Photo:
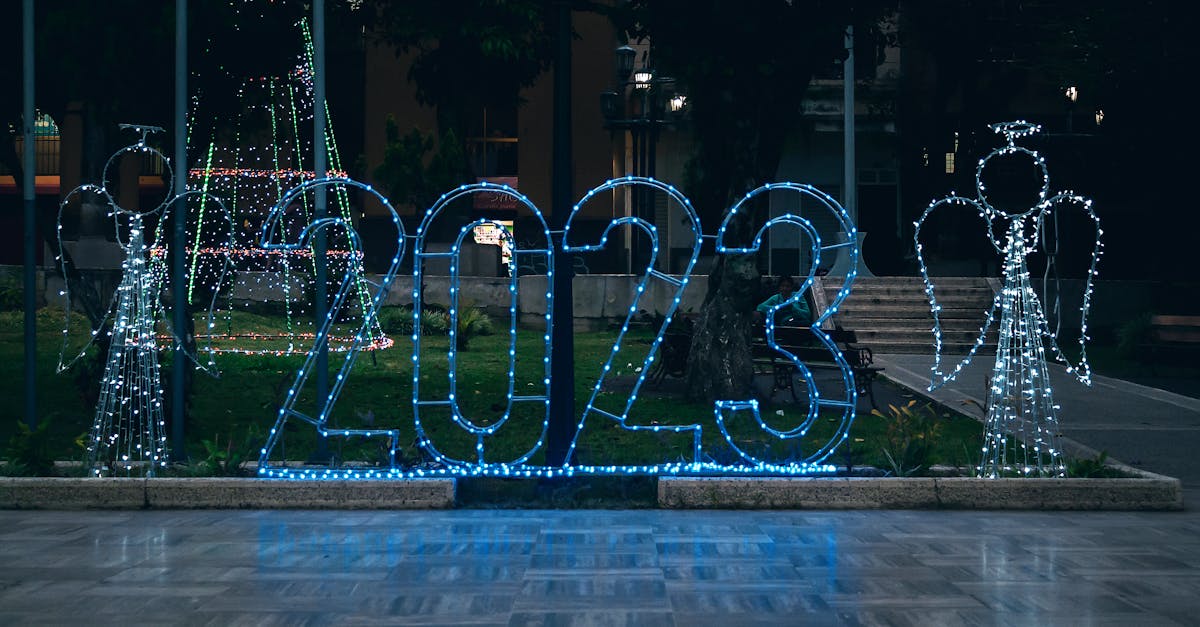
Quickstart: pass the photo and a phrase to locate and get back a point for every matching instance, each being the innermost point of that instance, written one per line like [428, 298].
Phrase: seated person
[793, 315]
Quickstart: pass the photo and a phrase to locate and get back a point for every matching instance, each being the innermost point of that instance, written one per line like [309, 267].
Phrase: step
[924, 348]
[870, 337]
[882, 313]
[894, 328]
[918, 289]
[892, 314]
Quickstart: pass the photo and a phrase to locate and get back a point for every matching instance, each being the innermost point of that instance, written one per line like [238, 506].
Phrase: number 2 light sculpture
[271, 240]
[1022, 431]
[621, 414]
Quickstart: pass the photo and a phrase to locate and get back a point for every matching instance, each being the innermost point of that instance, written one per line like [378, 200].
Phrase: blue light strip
[693, 221]
[844, 406]
[1021, 415]
[512, 401]
[510, 471]
[370, 312]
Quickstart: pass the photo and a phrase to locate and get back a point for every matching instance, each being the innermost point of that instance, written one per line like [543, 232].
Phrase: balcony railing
[46, 151]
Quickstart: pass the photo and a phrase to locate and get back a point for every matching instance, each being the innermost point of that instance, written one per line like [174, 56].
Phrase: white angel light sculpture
[128, 428]
[1021, 436]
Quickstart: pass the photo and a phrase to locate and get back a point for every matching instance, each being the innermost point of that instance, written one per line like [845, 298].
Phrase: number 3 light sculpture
[844, 406]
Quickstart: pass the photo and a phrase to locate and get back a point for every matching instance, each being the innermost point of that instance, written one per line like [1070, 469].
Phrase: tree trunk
[719, 362]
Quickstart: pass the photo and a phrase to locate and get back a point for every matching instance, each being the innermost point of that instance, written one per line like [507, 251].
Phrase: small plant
[12, 294]
[909, 441]
[227, 460]
[1092, 467]
[395, 320]
[1132, 334]
[434, 322]
[472, 321]
[30, 453]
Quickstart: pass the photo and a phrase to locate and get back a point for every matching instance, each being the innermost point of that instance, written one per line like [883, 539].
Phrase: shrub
[911, 432]
[395, 320]
[30, 452]
[1132, 334]
[472, 321]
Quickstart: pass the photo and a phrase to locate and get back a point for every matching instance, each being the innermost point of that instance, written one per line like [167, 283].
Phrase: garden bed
[1141, 491]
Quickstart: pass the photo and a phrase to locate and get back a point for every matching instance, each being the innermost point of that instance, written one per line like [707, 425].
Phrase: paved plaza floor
[631, 567]
[643, 567]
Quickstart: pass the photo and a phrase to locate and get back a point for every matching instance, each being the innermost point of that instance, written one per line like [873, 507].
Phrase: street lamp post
[641, 103]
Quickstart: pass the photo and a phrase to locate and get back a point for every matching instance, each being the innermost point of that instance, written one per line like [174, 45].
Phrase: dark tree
[745, 68]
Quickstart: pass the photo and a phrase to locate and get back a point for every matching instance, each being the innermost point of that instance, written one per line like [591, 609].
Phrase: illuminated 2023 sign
[528, 389]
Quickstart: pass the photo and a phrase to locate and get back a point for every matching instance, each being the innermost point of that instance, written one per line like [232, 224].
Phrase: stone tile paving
[644, 567]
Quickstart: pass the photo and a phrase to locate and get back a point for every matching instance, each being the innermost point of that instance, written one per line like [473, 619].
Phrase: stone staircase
[891, 314]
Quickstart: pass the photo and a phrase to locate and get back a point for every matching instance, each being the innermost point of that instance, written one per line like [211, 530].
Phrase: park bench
[1172, 338]
[800, 342]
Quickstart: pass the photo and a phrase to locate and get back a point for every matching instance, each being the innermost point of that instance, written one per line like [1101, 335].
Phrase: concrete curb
[207, 493]
[1146, 492]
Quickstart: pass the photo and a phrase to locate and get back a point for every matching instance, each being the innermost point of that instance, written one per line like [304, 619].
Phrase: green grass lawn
[234, 411]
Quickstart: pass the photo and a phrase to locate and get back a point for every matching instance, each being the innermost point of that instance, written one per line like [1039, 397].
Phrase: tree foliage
[418, 167]
[467, 54]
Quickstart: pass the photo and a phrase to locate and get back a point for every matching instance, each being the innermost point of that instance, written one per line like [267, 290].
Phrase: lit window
[949, 163]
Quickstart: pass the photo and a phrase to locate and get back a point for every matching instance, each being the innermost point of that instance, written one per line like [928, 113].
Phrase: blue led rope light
[450, 401]
[1021, 408]
[847, 404]
[370, 311]
[481, 466]
[679, 284]
[128, 428]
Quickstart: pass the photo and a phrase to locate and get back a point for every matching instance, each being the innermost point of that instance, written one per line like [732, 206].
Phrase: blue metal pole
[179, 242]
[562, 351]
[30, 223]
[319, 245]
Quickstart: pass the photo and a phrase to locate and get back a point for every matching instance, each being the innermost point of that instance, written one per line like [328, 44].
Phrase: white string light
[127, 433]
[1022, 433]
[253, 178]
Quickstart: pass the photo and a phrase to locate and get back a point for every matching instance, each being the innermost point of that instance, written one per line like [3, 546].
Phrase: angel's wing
[78, 295]
[1047, 219]
[938, 376]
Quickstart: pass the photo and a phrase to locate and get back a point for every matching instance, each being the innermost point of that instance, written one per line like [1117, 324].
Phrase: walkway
[641, 567]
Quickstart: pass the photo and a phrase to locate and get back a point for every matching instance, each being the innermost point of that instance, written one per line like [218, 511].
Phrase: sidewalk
[1141, 426]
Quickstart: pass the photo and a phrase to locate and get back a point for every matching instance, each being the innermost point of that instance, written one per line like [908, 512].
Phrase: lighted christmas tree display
[251, 160]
